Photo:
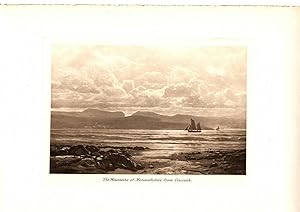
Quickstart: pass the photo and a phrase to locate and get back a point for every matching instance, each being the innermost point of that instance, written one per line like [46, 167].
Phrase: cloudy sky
[207, 81]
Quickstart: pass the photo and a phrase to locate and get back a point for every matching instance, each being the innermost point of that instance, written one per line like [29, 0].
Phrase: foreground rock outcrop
[65, 158]
[91, 159]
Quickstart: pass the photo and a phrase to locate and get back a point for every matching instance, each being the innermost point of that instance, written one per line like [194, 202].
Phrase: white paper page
[272, 36]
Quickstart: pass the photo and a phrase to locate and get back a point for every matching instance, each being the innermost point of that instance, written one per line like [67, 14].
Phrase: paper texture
[272, 37]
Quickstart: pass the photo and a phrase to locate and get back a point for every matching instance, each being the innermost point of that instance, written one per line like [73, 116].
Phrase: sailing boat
[198, 127]
[218, 128]
[192, 127]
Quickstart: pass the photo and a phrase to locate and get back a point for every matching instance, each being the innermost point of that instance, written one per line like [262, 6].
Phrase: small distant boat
[193, 127]
[218, 128]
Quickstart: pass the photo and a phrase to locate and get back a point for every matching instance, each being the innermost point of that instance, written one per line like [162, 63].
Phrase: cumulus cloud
[132, 77]
[143, 97]
[193, 101]
[138, 91]
[128, 85]
[152, 80]
[180, 90]
[180, 74]
[114, 91]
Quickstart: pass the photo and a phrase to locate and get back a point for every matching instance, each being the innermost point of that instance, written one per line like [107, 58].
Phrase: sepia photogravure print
[159, 107]
[148, 109]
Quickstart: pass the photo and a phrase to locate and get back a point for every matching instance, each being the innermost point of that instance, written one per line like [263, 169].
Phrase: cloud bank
[164, 80]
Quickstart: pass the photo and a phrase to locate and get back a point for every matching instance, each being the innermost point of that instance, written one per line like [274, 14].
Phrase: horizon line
[147, 111]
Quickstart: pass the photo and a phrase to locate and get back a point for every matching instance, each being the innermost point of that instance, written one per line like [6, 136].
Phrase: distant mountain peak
[144, 113]
[104, 114]
[147, 114]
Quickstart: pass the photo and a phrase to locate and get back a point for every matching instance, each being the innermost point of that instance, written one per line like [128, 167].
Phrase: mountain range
[94, 118]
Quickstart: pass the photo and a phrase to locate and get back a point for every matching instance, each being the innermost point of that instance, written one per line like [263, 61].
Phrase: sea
[165, 141]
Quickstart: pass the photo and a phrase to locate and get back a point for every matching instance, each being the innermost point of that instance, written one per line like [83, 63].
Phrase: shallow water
[163, 144]
[172, 140]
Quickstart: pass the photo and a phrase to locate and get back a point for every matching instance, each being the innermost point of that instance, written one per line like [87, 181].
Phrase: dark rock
[87, 162]
[139, 166]
[66, 161]
[117, 158]
[213, 165]
[78, 150]
[140, 148]
[111, 151]
[151, 166]
[97, 154]
[53, 150]
[92, 148]
[100, 165]
[121, 161]
[126, 153]
[58, 150]
[63, 151]
[111, 167]
[105, 165]
[102, 152]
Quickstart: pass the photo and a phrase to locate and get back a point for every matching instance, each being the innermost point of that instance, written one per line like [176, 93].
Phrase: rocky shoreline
[90, 159]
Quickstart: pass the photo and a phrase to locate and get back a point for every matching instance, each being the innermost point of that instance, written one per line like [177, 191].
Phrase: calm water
[166, 140]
